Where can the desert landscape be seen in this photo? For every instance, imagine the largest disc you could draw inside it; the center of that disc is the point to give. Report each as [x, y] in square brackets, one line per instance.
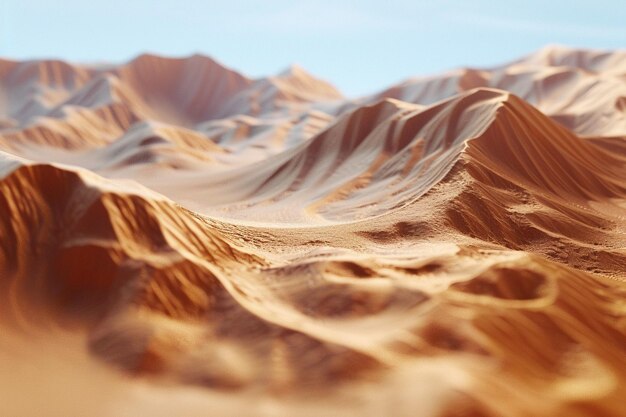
[179, 239]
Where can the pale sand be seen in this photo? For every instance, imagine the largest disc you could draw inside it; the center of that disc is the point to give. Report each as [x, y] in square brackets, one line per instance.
[178, 239]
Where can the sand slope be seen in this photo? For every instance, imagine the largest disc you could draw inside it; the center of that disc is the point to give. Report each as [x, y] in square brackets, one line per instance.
[451, 246]
[581, 89]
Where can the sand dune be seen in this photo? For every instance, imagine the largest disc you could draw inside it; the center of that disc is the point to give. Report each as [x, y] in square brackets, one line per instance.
[197, 239]
[583, 90]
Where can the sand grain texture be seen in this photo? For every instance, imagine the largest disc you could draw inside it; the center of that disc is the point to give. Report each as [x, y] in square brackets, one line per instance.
[176, 237]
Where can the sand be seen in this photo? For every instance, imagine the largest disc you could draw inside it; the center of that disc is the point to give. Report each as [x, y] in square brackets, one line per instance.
[179, 239]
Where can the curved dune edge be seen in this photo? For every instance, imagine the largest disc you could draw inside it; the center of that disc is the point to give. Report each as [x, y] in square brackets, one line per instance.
[268, 245]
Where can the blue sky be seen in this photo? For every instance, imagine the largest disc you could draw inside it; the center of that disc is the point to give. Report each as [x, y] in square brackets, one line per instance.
[360, 46]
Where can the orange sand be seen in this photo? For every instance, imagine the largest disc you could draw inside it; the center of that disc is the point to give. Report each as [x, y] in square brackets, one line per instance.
[178, 239]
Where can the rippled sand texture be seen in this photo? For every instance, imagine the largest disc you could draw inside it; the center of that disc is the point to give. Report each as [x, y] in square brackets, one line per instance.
[178, 239]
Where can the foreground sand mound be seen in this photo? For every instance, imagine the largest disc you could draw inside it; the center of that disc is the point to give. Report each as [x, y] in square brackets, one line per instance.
[264, 247]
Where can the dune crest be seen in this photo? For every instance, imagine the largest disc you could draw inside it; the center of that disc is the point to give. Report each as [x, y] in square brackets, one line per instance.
[453, 244]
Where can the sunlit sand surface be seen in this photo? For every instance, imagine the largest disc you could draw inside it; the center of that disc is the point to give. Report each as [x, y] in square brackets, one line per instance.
[179, 239]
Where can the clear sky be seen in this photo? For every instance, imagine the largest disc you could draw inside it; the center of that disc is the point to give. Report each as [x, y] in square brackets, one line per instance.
[360, 46]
